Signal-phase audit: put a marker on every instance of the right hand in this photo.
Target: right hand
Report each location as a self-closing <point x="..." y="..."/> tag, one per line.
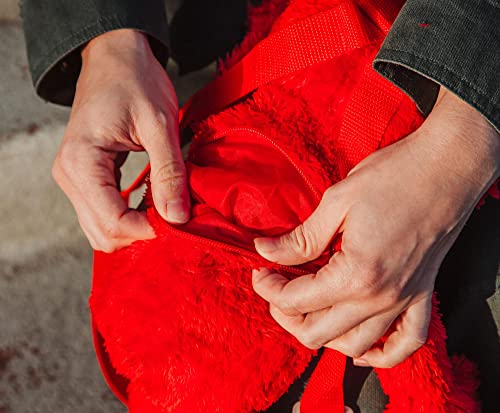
<point x="124" y="102"/>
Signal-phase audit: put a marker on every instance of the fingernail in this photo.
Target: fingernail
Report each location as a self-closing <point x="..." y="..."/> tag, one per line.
<point x="360" y="363"/>
<point x="266" y="245"/>
<point x="177" y="212"/>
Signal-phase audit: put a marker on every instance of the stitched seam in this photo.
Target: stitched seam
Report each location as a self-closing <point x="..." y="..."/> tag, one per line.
<point x="58" y="47"/>
<point x="488" y="110"/>
<point x="450" y="70"/>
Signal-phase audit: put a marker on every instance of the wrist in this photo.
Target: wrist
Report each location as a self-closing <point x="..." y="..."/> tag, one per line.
<point x="463" y="140"/>
<point x="116" y="44"/>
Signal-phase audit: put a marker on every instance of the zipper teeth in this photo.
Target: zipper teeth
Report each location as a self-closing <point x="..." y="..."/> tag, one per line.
<point x="229" y="247"/>
<point x="232" y="248"/>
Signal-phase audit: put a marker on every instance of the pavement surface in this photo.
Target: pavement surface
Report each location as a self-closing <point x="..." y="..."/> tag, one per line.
<point x="47" y="363"/>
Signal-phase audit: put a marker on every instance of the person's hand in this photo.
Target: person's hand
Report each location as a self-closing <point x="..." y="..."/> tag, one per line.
<point x="399" y="212"/>
<point x="124" y="102"/>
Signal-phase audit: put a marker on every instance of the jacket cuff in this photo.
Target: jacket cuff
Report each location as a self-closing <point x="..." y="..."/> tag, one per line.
<point x="55" y="30"/>
<point x="453" y="43"/>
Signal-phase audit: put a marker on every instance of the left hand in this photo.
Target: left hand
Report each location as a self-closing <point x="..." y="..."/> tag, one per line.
<point x="399" y="212"/>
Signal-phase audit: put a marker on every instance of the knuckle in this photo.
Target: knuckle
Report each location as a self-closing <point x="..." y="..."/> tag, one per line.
<point x="288" y="309"/>
<point x="111" y="231"/>
<point x="419" y="340"/>
<point x="349" y="349"/>
<point x="388" y="362"/>
<point x="338" y="194"/>
<point x="66" y="161"/>
<point x="340" y="347"/>
<point x="308" y="340"/>
<point x="303" y="242"/>
<point x="356" y="351"/>
<point x="106" y="246"/>
<point x="171" y="177"/>
<point x="331" y="194"/>
<point x="285" y="305"/>
<point x="159" y="121"/>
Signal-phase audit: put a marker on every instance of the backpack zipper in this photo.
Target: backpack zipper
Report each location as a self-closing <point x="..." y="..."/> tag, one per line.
<point x="242" y="251"/>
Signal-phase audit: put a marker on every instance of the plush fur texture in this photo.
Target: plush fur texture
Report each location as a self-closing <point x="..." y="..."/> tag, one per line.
<point x="178" y="313"/>
<point x="429" y="381"/>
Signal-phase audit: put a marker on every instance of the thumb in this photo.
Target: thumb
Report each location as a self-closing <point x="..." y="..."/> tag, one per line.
<point x="307" y="241"/>
<point x="168" y="173"/>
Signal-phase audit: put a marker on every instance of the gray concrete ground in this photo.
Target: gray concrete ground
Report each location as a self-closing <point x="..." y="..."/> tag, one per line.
<point x="47" y="364"/>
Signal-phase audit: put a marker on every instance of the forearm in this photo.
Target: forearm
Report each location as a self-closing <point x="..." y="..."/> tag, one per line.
<point x="453" y="43"/>
<point x="462" y="144"/>
<point x="56" y="29"/>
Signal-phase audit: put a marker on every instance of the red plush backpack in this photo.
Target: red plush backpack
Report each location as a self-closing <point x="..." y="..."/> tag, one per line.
<point x="177" y="325"/>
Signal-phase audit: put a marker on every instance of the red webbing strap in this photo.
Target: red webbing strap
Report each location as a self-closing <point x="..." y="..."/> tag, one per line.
<point x="314" y="39"/>
<point x="369" y="111"/>
<point x="324" y="392"/>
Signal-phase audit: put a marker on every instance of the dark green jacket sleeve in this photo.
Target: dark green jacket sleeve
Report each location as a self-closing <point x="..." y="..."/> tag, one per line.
<point x="453" y="43"/>
<point x="56" y="29"/>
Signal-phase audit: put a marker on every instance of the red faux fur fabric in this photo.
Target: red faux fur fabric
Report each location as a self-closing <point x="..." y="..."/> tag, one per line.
<point x="178" y="314"/>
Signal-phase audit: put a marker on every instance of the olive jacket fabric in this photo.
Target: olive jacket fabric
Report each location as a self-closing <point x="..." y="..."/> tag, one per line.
<point x="454" y="43"/>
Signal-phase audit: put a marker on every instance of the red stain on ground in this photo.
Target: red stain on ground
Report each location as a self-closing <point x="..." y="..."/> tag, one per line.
<point x="6" y="355"/>
<point x="32" y="128"/>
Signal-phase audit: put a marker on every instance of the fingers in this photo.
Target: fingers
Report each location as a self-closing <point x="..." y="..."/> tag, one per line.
<point x="87" y="175"/>
<point x="168" y="173"/>
<point x="307" y="241"/>
<point x="307" y="293"/>
<point x="306" y="308"/>
<point x="361" y="338"/>
<point x="315" y="329"/>
<point x="346" y="326"/>
<point x="409" y="336"/>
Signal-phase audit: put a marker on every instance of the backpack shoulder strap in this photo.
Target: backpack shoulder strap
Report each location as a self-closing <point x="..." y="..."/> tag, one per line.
<point x="348" y="25"/>
<point x="311" y="40"/>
